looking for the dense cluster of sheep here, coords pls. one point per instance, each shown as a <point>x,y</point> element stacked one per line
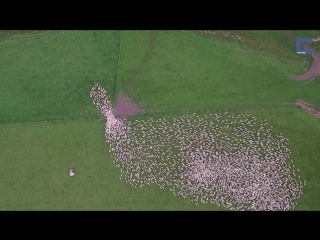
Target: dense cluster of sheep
<point>226,159</point>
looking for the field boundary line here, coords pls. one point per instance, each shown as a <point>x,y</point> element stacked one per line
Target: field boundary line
<point>55,120</point>
<point>116,83</point>
<point>225,109</point>
<point>202,111</point>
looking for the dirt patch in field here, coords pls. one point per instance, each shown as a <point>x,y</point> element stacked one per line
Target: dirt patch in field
<point>125,107</point>
<point>309,108</point>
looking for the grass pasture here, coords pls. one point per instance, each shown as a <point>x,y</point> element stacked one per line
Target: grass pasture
<point>46,77</point>
<point>35,158</point>
<point>170,71</point>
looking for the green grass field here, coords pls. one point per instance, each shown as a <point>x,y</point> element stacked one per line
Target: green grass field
<point>180,71</point>
<point>46,77</point>
<point>49,76</point>
<point>36,157</point>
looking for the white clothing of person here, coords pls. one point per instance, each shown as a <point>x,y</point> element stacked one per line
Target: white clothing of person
<point>71,173</point>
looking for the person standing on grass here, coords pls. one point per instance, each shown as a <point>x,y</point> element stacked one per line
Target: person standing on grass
<point>71,172</point>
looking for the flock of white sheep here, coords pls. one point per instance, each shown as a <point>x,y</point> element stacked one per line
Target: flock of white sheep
<point>225,159</point>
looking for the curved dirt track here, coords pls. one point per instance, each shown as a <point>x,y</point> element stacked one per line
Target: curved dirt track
<point>313,72</point>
